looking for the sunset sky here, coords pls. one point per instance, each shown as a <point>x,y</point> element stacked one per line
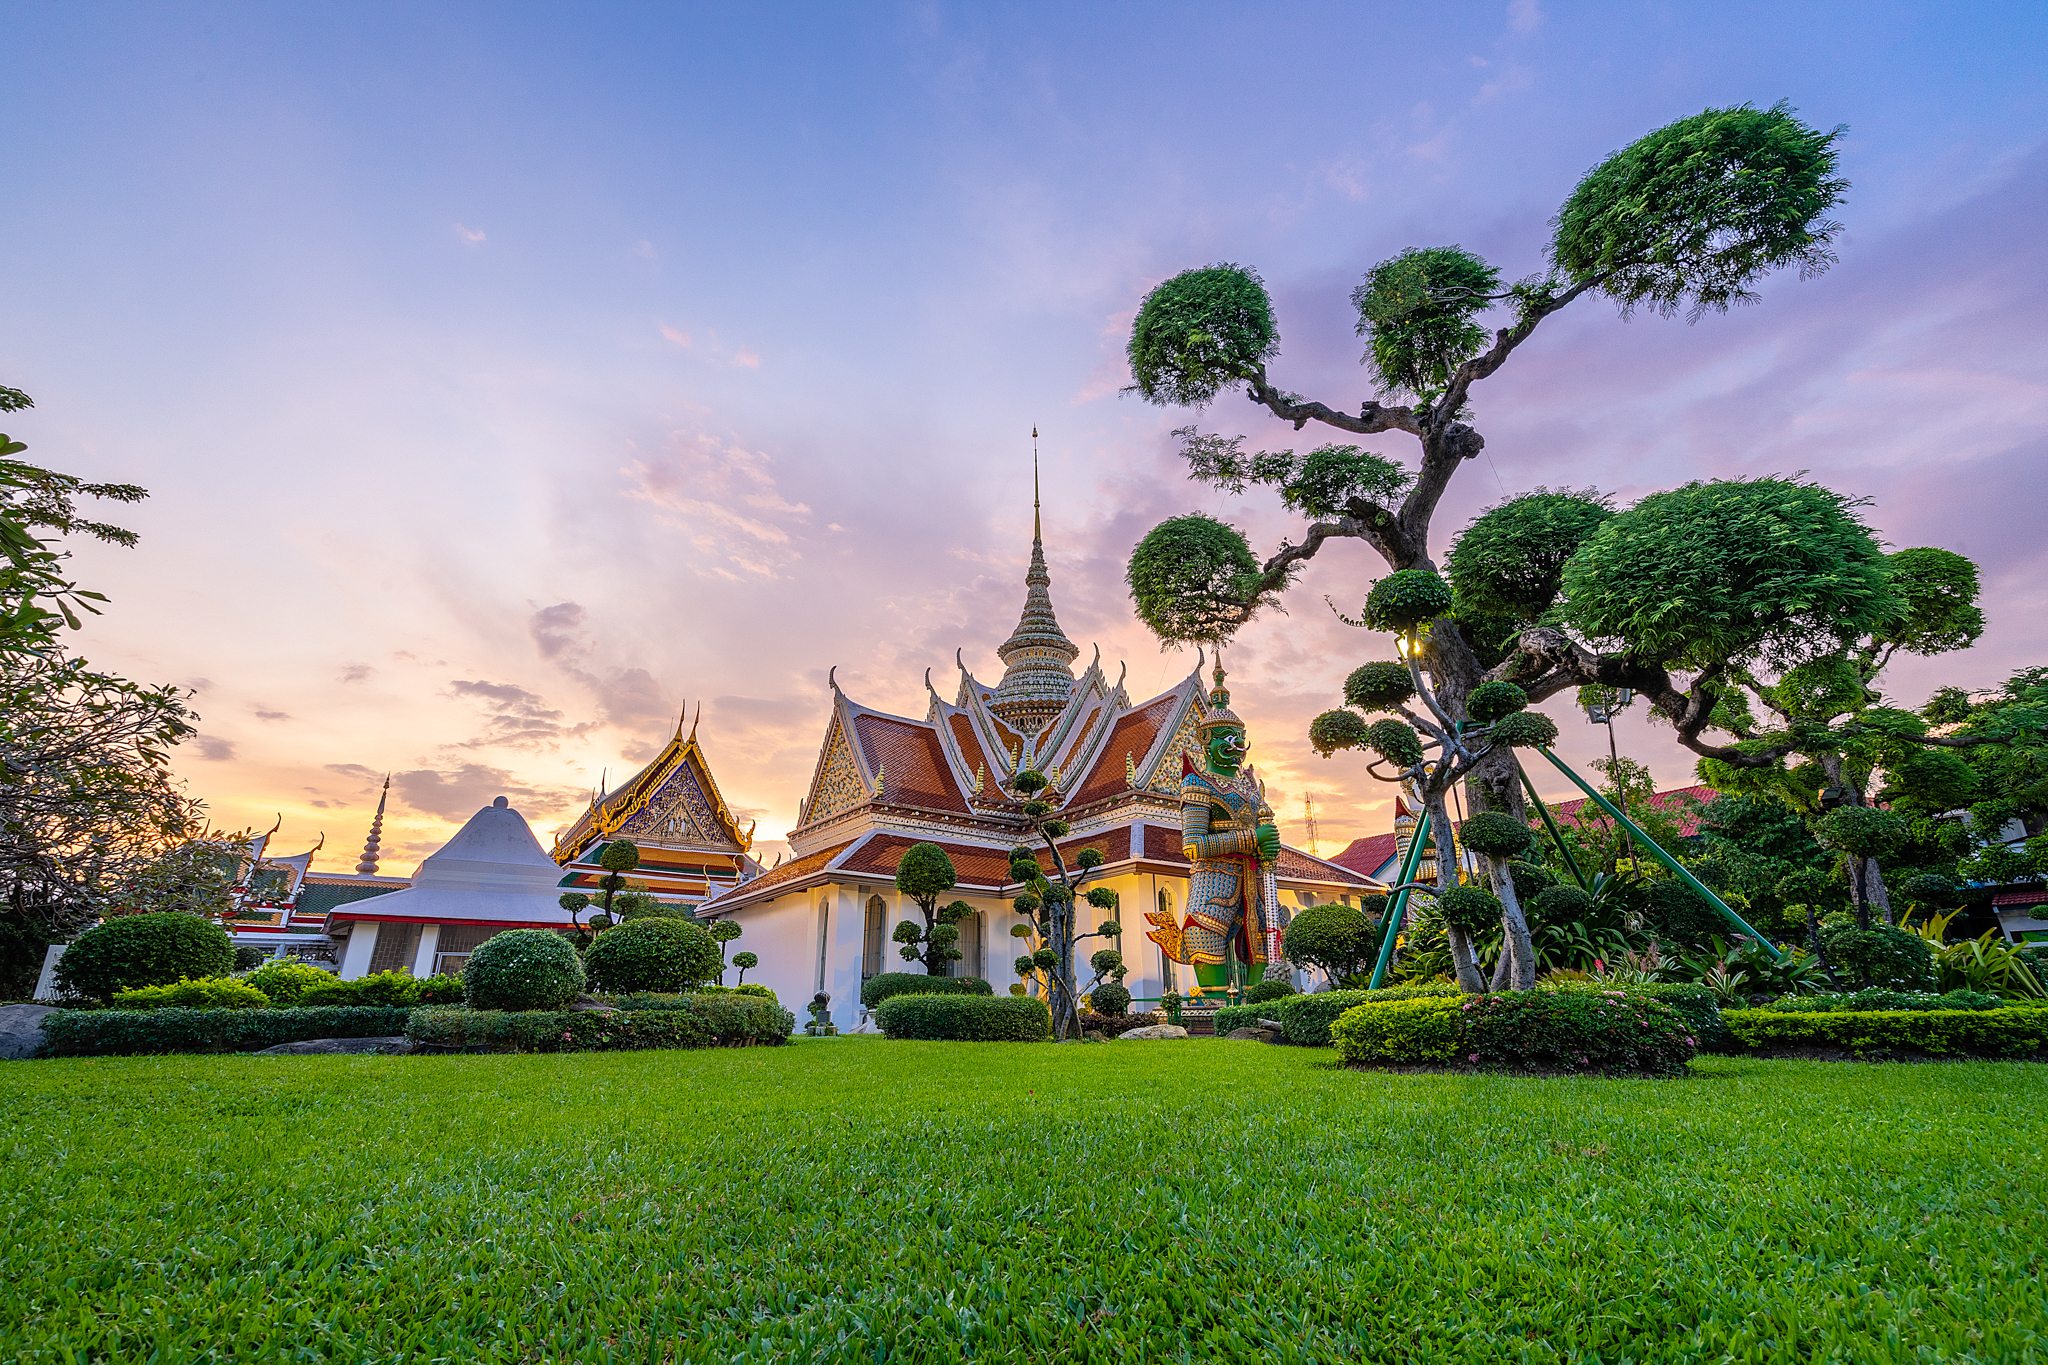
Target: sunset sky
<point>507,376</point>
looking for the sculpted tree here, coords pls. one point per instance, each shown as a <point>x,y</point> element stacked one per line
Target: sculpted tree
<point>1687,220</point>
<point>925,874</point>
<point>1050,903</point>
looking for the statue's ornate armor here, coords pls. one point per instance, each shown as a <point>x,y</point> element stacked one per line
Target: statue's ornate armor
<point>1218,817</point>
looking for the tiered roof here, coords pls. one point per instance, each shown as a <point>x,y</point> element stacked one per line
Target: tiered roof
<point>671,804</point>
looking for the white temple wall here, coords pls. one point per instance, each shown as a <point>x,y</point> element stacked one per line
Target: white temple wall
<point>355,957</point>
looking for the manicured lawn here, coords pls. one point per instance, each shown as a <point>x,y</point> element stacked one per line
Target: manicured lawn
<point>864,1200</point>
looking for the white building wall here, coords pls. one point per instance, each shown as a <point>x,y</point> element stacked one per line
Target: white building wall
<point>430,942</point>
<point>355,958</point>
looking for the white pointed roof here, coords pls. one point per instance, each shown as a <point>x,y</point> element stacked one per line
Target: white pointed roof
<point>492,871</point>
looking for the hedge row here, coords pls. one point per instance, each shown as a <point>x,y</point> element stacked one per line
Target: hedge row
<point>2011,1032</point>
<point>699,1021</point>
<point>966,1018</point>
<point>876,989</point>
<point>1306,1019</point>
<point>1248,1016</point>
<point>107,1033</point>
<point>1602,1032</point>
<point>1835,1002</point>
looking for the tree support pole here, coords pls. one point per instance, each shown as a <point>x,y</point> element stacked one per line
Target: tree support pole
<point>1391,926</point>
<point>1550,824</point>
<point>1650,846</point>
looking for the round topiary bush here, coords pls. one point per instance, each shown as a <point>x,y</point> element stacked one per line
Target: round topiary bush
<point>1378,686</point>
<point>1496,700</point>
<point>966,1018</point>
<point>1880,957</point>
<point>1112,998</point>
<point>1405,599</point>
<point>1557,905</point>
<point>664,954</point>
<point>1271,988</point>
<point>143,950</point>
<point>1469,908</point>
<point>524,969</point>
<point>1495,834</point>
<point>1334,730</point>
<point>1525,730</point>
<point>1395,741</point>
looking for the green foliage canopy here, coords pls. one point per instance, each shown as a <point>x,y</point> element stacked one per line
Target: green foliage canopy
<point>1691,216</point>
<point>1201,331</point>
<point>1418,312</point>
<point>1509,562</point>
<point>1194,579</point>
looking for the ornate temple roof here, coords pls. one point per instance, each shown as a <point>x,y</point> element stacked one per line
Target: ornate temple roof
<point>1038,658</point>
<point>672,803</point>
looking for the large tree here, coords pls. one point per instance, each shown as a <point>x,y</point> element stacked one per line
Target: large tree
<point>89,808</point>
<point>37,597</point>
<point>1689,220</point>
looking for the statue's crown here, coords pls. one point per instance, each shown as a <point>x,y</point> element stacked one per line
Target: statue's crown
<point>1220,714</point>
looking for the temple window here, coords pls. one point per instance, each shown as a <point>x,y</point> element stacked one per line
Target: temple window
<point>970,948</point>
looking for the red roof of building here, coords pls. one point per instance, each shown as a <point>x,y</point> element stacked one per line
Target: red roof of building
<point>1130,739</point>
<point>1681,803</point>
<point>2021,895</point>
<point>1368,855</point>
<point>911,761</point>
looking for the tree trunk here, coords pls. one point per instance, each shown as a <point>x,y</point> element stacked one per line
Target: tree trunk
<point>1516,945</point>
<point>1463,964</point>
<point>1874,889</point>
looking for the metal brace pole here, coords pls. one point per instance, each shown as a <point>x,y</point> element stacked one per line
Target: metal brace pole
<point>1391,925</point>
<point>1651,847</point>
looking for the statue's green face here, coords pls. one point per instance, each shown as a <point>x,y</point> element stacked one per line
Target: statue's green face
<point>1226,749</point>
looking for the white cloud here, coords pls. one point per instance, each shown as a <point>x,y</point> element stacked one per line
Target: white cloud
<point>1524,16</point>
<point>675,336</point>
<point>469,236</point>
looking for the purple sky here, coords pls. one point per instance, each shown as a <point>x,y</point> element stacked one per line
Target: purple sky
<point>507,376</point>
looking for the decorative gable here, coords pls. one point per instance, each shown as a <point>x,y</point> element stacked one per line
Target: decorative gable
<point>677,811</point>
<point>839,786</point>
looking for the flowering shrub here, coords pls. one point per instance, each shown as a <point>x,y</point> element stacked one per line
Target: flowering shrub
<point>1615,1033</point>
<point>524,969</point>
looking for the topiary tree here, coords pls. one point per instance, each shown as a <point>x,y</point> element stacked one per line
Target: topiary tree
<point>1049,902</point>
<point>1679,599</point>
<point>1863,835</point>
<point>746,962</point>
<point>143,950</point>
<point>1337,940</point>
<point>523,969</point>
<point>662,954</point>
<point>924,874</point>
<point>723,931</point>
<point>1110,998</point>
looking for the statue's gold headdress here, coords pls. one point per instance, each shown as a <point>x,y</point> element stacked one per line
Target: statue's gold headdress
<point>1219,714</point>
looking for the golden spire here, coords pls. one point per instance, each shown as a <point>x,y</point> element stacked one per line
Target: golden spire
<point>1037,528</point>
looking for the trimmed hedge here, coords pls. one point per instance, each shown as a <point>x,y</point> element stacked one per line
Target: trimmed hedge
<point>1613,1033</point>
<point>1306,1019</point>
<point>108,1033</point>
<point>685,1022</point>
<point>876,989</point>
<point>966,1018</point>
<point>207,993</point>
<point>1698,1005</point>
<point>1424,1029</point>
<point>143,950</point>
<point>1895,1033</point>
<point>1247,1016</point>
<point>1835,1002</point>
<point>1603,1032</point>
<point>398,989</point>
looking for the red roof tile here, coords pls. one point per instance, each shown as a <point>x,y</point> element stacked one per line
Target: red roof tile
<point>1368,855</point>
<point>1681,803</point>
<point>2021,895</point>
<point>913,763</point>
<point>1132,737</point>
<point>795,870</point>
<point>973,864</point>
<point>975,756</point>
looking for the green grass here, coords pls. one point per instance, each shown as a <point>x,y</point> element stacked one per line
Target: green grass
<point>865,1200</point>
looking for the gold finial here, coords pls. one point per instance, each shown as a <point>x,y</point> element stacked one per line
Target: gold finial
<point>1037,531</point>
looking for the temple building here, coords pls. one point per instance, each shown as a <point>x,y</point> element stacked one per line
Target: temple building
<point>691,847</point>
<point>822,919</point>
